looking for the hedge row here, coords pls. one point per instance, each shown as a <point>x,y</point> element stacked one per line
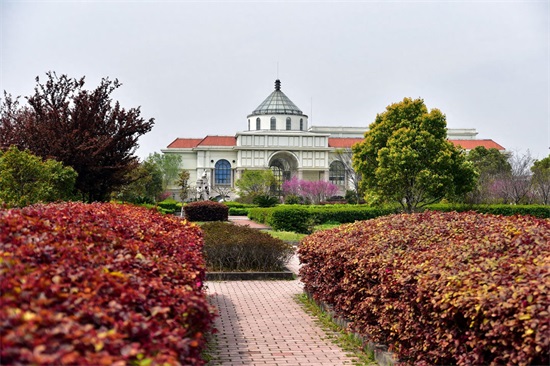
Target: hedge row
<point>439,288</point>
<point>206,211</point>
<point>101,284</point>
<point>539,211</point>
<point>300,218</point>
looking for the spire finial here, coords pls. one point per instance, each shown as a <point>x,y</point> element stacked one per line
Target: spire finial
<point>277,84</point>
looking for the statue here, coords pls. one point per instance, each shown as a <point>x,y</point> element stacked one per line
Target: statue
<point>202,187</point>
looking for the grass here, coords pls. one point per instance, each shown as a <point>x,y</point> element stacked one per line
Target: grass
<point>286,235</point>
<point>348,342</point>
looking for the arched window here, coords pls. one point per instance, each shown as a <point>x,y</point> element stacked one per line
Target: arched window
<point>222,173</point>
<point>288,123</point>
<point>273,123</point>
<point>337,173</point>
<point>301,124</point>
<point>258,125</point>
<point>249,124</point>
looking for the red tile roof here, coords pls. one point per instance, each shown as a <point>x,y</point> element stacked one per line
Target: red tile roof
<point>219,141</point>
<point>343,142</point>
<point>472,144</point>
<point>180,143</point>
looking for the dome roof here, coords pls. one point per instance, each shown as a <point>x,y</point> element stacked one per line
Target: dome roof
<point>277,103</point>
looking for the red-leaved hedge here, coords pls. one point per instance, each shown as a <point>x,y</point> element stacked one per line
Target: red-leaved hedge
<point>439,288</point>
<point>206,211</point>
<point>101,284</point>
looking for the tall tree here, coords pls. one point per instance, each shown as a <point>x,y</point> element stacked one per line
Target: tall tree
<point>145,185</point>
<point>541,179</point>
<point>255,183</point>
<point>491,166</point>
<point>169,165</point>
<point>515,186</point>
<point>81,128</point>
<point>406,158</point>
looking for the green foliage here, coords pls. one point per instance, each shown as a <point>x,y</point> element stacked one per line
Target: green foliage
<point>101,286</point>
<point>406,158</point>
<point>26,179</point>
<point>490,162</point>
<point>300,219</point>
<point>206,211</point>
<point>169,166</point>
<point>541,179</point>
<point>264,200</point>
<point>293,218</point>
<point>539,211</point>
<point>254,183</point>
<point>230,247</point>
<point>238,211</point>
<point>183,185</point>
<point>440,288</point>
<point>145,185</point>
<point>293,199</point>
<point>170,205</point>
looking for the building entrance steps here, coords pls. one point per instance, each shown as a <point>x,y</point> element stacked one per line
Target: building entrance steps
<point>260,323</point>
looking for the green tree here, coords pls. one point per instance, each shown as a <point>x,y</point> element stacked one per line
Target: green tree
<point>491,166</point>
<point>406,158</point>
<point>255,183</point>
<point>145,184</point>
<point>26,179</point>
<point>541,179</point>
<point>169,165</point>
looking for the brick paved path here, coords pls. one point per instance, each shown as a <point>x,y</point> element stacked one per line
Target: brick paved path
<point>260,323</point>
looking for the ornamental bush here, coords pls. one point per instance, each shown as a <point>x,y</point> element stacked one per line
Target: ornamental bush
<point>230,247</point>
<point>101,284</point>
<point>439,288</point>
<point>206,211</point>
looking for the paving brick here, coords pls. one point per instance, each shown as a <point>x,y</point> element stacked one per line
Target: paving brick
<point>260,323</point>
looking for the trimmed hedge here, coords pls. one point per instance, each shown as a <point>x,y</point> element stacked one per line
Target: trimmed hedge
<point>439,288</point>
<point>319,214</point>
<point>300,218</point>
<point>206,211</point>
<point>229,247</point>
<point>101,284</point>
<point>539,211</point>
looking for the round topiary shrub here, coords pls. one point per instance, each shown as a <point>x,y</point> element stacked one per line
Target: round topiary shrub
<point>229,247</point>
<point>206,211</point>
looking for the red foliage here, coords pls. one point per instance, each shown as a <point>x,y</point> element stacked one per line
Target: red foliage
<point>206,211</point>
<point>439,288</point>
<point>101,284</point>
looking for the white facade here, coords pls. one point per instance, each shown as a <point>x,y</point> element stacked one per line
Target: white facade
<point>278,138</point>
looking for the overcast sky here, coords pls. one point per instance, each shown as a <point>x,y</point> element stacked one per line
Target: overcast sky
<point>200,67</point>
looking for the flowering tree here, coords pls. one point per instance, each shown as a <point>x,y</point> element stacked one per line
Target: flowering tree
<point>312,191</point>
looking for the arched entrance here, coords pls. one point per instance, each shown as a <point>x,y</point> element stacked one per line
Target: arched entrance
<point>284,166</point>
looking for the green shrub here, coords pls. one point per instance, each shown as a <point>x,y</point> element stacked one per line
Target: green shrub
<point>295,218</point>
<point>170,205</point>
<point>229,247</point>
<point>540,211</point>
<point>238,211</point>
<point>206,211</point>
<point>265,200</point>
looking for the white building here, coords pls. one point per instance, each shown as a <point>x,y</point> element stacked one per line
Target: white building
<point>279,138</point>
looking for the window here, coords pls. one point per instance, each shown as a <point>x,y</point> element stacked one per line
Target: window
<point>222,173</point>
<point>258,124</point>
<point>301,124</point>
<point>249,124</point>
<point>337,173</point>
<point>288,123</point>
<point>273,123</point>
